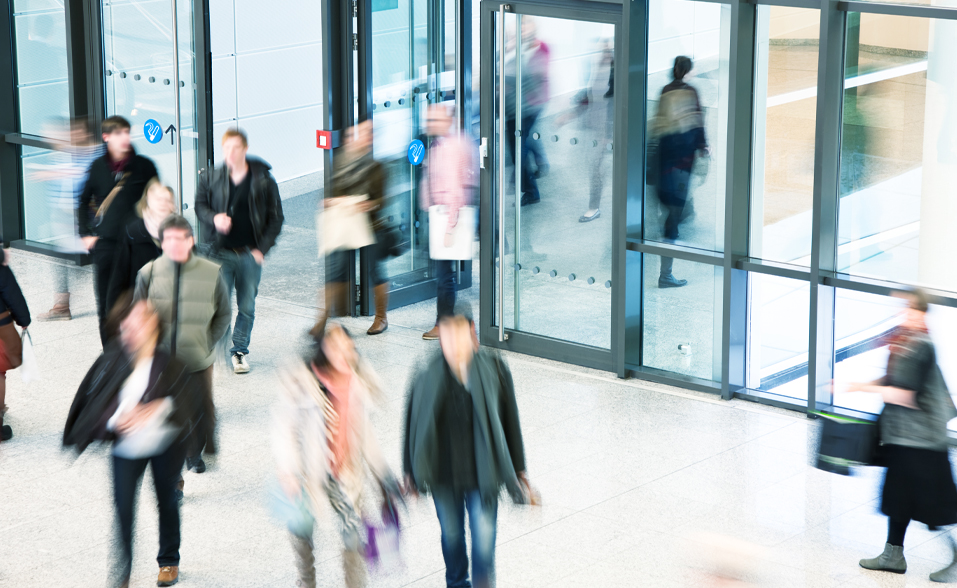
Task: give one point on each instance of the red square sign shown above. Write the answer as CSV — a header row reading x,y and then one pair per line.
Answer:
x,y
324,139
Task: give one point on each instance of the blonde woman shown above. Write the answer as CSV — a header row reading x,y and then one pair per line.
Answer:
x,y
139,243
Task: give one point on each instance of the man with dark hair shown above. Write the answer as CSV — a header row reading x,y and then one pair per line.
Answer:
x,y
114,185
192,302
240,215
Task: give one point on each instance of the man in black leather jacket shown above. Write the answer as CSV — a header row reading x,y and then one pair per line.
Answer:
x,y
240,215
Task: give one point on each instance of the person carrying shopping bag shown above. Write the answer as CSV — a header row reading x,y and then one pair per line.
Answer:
x,y
323,441
13,309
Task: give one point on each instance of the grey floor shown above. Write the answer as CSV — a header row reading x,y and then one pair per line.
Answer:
x,y
643,485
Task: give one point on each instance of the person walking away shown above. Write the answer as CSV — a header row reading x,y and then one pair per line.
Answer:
x,y
192,302
447,180
141,243
463,443
679,131
13,309
356,173
65,179
240,215
114,185
143,400
595,108
918,484
323,441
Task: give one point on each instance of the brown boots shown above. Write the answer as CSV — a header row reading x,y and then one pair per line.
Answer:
x,y
60,310
168,575
381,323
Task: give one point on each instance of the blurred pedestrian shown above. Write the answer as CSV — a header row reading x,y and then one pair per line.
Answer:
x,y
918,484
356,173
192,302
447,180
595,109
463,443
679,135
143,400
114,185
13,309
141,243
240,214
323,441
65,178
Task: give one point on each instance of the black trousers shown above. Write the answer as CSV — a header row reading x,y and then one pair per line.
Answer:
x,y
127,474
104,255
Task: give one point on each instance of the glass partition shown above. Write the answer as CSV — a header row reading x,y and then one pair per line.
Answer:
x,y
778,331
42,80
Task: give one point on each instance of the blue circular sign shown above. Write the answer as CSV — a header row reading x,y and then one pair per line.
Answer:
x,y
153,131
416,152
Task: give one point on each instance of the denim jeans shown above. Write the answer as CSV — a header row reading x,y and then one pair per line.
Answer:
x,y
450,507
127,474
445,287
240,271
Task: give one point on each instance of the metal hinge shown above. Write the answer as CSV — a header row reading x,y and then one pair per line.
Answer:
x,y
355,42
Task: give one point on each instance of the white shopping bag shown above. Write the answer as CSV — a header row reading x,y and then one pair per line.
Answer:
x,y
462,235
29,370
343,225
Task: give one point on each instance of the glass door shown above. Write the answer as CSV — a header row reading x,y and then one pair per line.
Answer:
x,y
140,69
551,173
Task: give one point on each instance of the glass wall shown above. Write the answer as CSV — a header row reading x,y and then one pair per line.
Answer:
x,y
42,81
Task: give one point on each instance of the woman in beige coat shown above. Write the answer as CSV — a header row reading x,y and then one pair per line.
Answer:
x,y
323,441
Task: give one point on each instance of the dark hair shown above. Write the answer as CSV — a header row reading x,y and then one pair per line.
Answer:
x,y
113,124
122,308
317,355
917,299
682,66
175,221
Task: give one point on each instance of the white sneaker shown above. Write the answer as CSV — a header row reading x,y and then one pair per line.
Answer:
x,y
240,365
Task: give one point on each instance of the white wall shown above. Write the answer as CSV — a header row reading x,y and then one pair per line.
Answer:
x,y
680,27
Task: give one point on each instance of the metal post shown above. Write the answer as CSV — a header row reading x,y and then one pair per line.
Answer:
x,y
458,67
501,173
516,279
176,106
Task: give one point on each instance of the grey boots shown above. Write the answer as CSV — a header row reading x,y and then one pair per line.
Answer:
x,y
892,560
948,574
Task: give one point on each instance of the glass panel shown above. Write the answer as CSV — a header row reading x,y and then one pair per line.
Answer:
x,y
785,105
778,331
682,326
139,73
559,117
42,82
899,154
687,124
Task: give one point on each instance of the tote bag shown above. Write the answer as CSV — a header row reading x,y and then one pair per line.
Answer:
x,y
462,235
343,226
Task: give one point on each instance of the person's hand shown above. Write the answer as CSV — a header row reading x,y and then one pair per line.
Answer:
x,y
258,256
856,386
706,152
533,496
449,239
290,485
6,257
223,223
367,206
408,487
89,242
138,417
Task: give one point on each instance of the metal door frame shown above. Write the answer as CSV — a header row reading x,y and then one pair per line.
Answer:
x,y
538,345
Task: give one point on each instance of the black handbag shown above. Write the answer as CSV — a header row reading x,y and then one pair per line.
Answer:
x,y
394,242
846,442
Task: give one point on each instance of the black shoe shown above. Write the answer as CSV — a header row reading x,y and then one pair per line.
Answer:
x,y
526,199
6,433
179,496
670,281
196,464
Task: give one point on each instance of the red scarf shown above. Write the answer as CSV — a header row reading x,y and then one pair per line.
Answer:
x,y
338,385
899,341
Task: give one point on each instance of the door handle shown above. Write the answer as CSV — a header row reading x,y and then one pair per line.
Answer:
x,y
483,152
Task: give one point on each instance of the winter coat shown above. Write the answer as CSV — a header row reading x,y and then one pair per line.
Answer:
x,y
11,297
201,315
100,182
499,451
98,396
135,249
265,206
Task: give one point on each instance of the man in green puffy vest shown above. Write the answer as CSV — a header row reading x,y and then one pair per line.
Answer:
x,y
192,302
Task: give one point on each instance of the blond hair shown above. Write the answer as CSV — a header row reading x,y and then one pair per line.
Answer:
x,y
143,204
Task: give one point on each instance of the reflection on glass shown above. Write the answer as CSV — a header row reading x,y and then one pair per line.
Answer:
x,y
682,326
899,152
778,335
782,170
139,82
42,85
689,46
559,119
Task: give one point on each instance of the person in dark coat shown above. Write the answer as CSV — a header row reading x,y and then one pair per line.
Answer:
x,y
146,402
919,484
114,185
140,242
463,443
13,309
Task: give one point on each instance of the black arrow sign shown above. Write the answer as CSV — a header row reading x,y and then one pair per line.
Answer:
x,y
171,129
